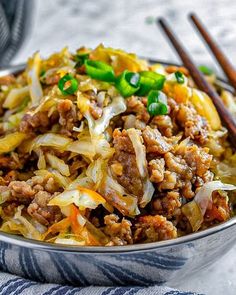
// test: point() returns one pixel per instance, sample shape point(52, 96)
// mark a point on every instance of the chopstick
point(223, 61)
point(200, 81)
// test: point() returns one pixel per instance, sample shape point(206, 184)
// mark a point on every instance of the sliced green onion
point(80, 59)
point(205, 70)
point(99, 70)
point(150, 80)
point(157, 103)
point(179, 77)
point(65, 81)
point(127, 83)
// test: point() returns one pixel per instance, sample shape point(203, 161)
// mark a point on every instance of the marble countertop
point(129, 25)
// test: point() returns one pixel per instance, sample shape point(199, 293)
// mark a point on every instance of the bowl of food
point(114, 170)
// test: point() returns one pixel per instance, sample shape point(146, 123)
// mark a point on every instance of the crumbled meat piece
point(137, 107)
point(125, 156)
point(156, 169)
point(154, 228)
point(195, 126)
point(178, 165)
point(163, 124)
point(219, 210)
point(187, 191)
point(198, 159)
point(39, 210)
point(20, 189)
point(67, 116)
point(120, 232)
point(52, 79)
point(169, 181)
point(167, 205)
point(155, 142)
point(38, 122)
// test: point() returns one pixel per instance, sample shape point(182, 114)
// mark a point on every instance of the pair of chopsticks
point(198, 77)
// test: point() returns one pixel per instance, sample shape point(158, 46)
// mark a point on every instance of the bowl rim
point(17, 240)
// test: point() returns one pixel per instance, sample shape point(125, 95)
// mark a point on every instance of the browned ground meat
point(67, 116)
point(125, 156)
point(38, 122)
point(7, 80)
point(35, 193)
point(168, 205)
point(120, 232)
point(156, 168)
point(155, 142)
point(163, 124)
point(195, 126)
point(137, 107)
point(154, 228)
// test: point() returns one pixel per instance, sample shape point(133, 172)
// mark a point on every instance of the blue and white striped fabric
point(12, 285)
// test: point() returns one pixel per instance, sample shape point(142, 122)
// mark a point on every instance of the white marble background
point(123, 24)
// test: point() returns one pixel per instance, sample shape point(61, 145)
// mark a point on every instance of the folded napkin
point(15, 17)
point(10, 284)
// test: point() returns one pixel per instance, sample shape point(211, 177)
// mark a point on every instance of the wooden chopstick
point(201, 82)
point(223, 61)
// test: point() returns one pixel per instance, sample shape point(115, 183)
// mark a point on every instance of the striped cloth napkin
point(14, 20)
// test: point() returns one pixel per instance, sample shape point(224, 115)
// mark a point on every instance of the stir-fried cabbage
point(119, 59)
point(116, 195)
point(10, 141)
point(81, 197)
point(116, 107)
point(140, 154)
point(196, 209)
point(33, 71)
point(58, 164)
point(205, 107)
point(15, 97)
point(20, 224)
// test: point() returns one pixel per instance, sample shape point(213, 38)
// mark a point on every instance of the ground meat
point(155, 143)
point(67, 116)
point(9, 162)
point(168, 205)
point(169, 181)
point(178, 165)
point(156, 170)
point(124, 155)
point(136, 106)
point(34, 193)
point(38, 122)
point(154, 228)
point(163, 124)
point(219, 210)
point(195, 126)
point(198, 159)
point(39, 210)
point(120, 232)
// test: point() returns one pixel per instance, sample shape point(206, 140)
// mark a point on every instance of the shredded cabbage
point(10, 141)
point(140, 154)
point(196, 209)
point(35, 88)
point(15, 97)
point(81, 197)
point(58, 164)
point(116, 107)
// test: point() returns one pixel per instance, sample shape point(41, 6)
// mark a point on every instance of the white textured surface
point(122, 24)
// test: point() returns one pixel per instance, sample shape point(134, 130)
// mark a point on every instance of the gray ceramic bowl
point(143, 264)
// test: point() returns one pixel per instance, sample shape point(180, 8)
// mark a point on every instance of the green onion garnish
point(157, 103)
point(150, 80)
point(99, 70)
point(205, 70)
point(179, 77)
point(127, 83)
point(68, 84)
point(80, 59)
